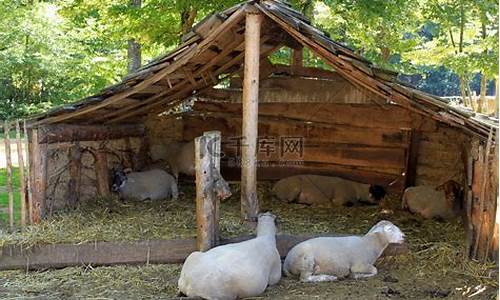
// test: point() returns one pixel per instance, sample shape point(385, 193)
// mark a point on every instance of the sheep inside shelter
point(351, 120)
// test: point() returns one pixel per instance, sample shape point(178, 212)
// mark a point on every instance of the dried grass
point(434, 267)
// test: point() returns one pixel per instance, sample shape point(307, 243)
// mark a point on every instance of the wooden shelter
point(355, 121)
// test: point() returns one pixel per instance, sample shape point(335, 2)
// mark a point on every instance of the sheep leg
point(363, 271)
point(275, 275)
point(308, 268)
point(319, 278)
point(174, 190)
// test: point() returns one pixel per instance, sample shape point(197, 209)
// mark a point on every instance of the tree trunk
point(463, 92)
point(188, 15)
point(481, 104)
point(496, 97)
point(134, 48)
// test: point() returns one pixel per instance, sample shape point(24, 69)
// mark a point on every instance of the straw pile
point(434, 268)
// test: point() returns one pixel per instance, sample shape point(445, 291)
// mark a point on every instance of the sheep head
point(376, 193)
point(119, 179)
point(391, 232)
point(266, 224)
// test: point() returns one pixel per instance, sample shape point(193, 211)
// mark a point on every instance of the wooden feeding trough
point(354, 120)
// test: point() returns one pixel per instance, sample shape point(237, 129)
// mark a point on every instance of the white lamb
point(237, 270)
point(330, 258)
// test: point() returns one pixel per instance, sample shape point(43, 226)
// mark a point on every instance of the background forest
point(54, 52)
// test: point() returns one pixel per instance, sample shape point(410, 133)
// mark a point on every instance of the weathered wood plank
point(355, 115)
point(140, 252)
point(314, 133)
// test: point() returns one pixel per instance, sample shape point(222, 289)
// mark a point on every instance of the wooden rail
point(138, 252)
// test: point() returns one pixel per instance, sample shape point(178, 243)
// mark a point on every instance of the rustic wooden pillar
point(297, 59)
point(249, 201)
point(8, 159)
point(102, 173)
point(20, 162)
point(38, 171)
point(207, 203)
point(75, 156)
point(28, 173)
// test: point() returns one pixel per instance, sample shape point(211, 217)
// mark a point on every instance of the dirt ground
point(434, 268)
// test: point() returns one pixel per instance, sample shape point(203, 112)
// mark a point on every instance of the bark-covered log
point(69, 132)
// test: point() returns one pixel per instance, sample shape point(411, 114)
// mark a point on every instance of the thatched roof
point(214, 50)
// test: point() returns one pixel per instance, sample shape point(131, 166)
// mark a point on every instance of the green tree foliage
point(45, 62)
point(54, 52)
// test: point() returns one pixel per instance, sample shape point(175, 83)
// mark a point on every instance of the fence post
point(20, 162)
point(9, 174)
point(28, 173)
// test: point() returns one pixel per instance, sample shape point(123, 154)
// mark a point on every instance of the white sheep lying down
point(331, 258)
point(444, 201)
point(236, 270)
point(154, 184)
point(326, 190)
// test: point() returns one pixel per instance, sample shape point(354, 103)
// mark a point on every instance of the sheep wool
point(331, 258)
point(236, 270)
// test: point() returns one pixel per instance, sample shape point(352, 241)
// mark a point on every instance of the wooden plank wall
point(364, 142)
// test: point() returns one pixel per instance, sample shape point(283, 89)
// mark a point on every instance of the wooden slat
point(139, 252)
point(340, 134)
point(365, 116)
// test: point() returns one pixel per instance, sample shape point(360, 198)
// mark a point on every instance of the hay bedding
point(435, 267)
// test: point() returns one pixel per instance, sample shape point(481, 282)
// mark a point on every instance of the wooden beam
point(38, 171)
point(297, 58)
point(22, 182)
point(59, 133)
point(249, 201)
point(138, 252)
point(8, 159)
point(206, 202)
point(28, 173)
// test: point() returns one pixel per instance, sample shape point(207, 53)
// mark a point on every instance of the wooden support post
point(214, 148)
point(412, 158)
point(38, 171)
point(75, 156)
point(205, 197)
point(249, 202)
point(297, 59)
point(8, 159)
point(22, 185)
point(28, 172)
point(102, 173)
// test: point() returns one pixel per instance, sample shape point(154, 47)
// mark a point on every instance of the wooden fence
point(10, 159)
